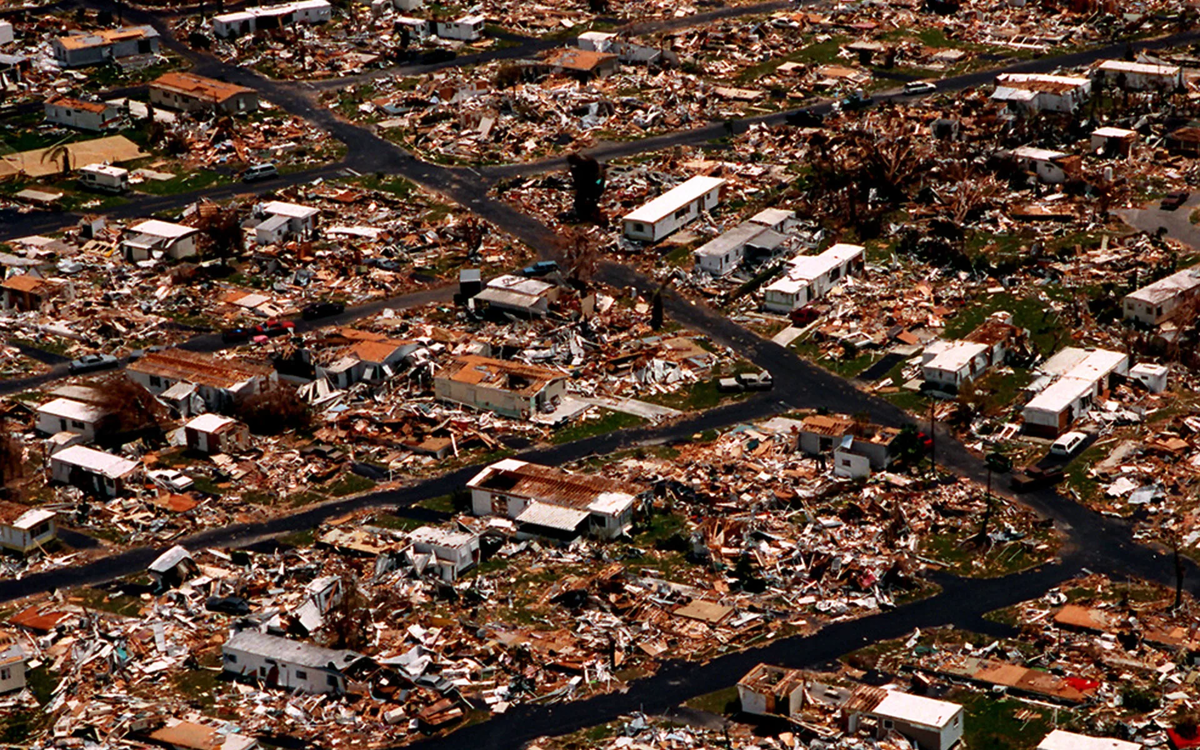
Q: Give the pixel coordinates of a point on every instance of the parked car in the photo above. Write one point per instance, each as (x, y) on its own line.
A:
(322, 310)
(92, 363)
(1067, 444)
(137, 354)
(1035, 477)
(804, 316)
(1172, 201)
(804, 118)
(541, 268)
(857, 100)
(236, 335)
(919, 87)
(730, 385)
(169, 479)
(274, 327)
(228, 605)
(258, 172)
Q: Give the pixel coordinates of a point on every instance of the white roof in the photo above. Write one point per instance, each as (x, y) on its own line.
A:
(291, 210)
(65, 408)
(1010, 94)
(1060, 394)
(272, 10)
(107, 169)
(771, 216)
(955, 355)
(162, 229)
(597, 36)
(97, 462)
(1148, 368)
(786, 285)
(1017, 80)
(916, 709)
(1037, 154)
(1146, 69)
(552, 516)
(439, 536)
(675, 199)
(1060, 740)
(810, 267)
(1110, 132)
(209, 422)
(1168, 288)
(471, 20)
(731, 240)
(611, 503)
(520, 285)
(32, 517)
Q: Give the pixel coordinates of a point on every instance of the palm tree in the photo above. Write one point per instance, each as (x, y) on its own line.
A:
(55, 153)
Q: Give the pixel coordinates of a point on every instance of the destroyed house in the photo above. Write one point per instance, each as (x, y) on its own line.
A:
(1062, 740)
(821, 433)
(1136, 76)
(24, 529)
(1160, 301)
(947, 365)
(93, 48)
(1072, 379)
(527, 298)
(213, 433)
(283, 221)
(466, 29)
(1050, 167)
(451, 551)
(188, 735)
(290, 665)
(74, 113)
(1025, 93)
(218, 382)
(928, 723)
(29, 293)
(154, 239)
(810, 277)
(549, 502)
(68, 415)
(94, 471)
(1112, 142)
(768, 690)
(366, 360)
(265, 17)
(582, 64)
(674, 209)
(511, 389)
(189, 92)
(727, 251)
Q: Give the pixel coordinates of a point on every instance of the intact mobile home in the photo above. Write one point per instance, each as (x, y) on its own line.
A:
(672, 210)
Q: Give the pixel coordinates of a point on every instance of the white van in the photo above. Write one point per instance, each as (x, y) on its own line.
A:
(1067, 444)
(260, 172)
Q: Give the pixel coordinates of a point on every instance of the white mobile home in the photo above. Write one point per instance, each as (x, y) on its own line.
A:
(673, 209)
(768, 690)
(810, 277)
(949, 364)
(74, 113)
(1136, 76)
(1037, 92)
(104, 177)
(213, 433)
(1062, 740)
(1077, 377)
(251, 20)
(283, 221)
(931, 724)
(24, 529)
(466, 29)
(452, 551)
(13, 665)
(156, 239)
(1156, 303)
(92, 470)
(67, 415)
(287, 664)
(1046, 164)
(726, 252)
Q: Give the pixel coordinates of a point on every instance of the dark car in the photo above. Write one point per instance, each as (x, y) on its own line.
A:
(804, 316)
(1172, 201)
(541, 268)
(229, 605)
(92, 363)
(804, 118)
(322, 310)
(236, 335)
(1036, 477)
(274, 328)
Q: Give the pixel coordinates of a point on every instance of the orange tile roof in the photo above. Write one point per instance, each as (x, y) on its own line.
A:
(199, 87)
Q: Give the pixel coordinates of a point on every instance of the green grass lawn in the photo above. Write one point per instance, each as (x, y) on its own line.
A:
(609, 421)
(1003, 723)
(957, 550)
(183, 183)
(1046, 331)
(723, 702)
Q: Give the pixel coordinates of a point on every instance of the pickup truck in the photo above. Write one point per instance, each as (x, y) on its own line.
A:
(1035, 478)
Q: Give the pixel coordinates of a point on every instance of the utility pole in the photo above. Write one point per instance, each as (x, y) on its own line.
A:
(933, 436)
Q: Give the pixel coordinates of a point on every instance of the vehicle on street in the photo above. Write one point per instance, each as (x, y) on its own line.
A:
(541, 268)
(919, 87)
(322, 310)
(1173, 201)
(236, 335)
(804, 118)
(1067, 443)
(274, 328)
(169, 479)
(92, 363)
(857, 100)
(756, 381)
(1036, 477)
(258, 172)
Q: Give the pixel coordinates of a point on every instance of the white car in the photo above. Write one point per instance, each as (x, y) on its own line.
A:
(172, 480)
(1067, 444)
(919, 87)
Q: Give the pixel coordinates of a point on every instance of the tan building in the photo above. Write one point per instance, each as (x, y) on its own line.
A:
(218, 382)
(511, 389)
(188, 92)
